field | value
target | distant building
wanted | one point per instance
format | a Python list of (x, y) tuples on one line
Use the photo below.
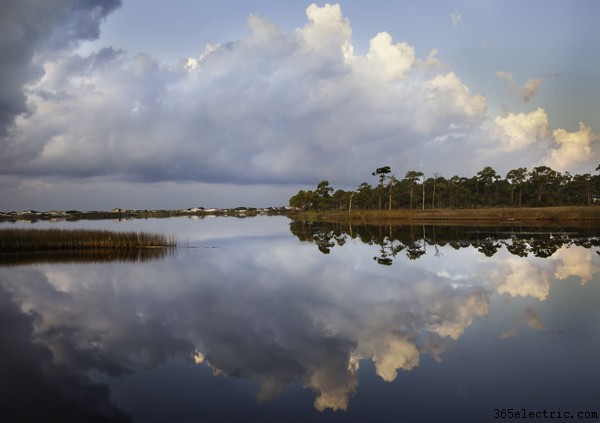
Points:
[(117, 210)]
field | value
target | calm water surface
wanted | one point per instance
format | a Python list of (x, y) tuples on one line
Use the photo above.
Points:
[(261, 320)]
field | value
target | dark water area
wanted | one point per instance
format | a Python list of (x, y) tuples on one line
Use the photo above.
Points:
[(265, 319)]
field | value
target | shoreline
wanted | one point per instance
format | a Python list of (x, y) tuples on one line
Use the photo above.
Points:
[(528, 215), (74, 215), (503, 215)]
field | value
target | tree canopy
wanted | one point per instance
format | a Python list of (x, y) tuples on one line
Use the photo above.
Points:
[(539, 187)]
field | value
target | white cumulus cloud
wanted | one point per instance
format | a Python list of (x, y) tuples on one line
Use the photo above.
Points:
[(393, 60), (270, 108), (519, 279), (520, 130), (571, 148), (575, 261)]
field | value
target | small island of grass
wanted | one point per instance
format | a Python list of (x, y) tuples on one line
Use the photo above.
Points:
[(16, 239)]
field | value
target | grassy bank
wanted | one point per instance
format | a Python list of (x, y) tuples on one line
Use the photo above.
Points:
[(531, 215), (13, 240)]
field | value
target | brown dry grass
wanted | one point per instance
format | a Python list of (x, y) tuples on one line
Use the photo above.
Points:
[(16, 239), (541, 214)]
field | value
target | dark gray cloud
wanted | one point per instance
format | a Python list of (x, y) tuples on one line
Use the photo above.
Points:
[(32, 32)]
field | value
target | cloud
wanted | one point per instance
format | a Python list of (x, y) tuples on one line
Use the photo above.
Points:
[(305, 108), (290, 321), (521, 130), (533, 319), (456, 19), (512, 332), (522, 279), (333, 392), (285, 316), (305, 101), (531, 88), (508, 77), (571, 148), (326, 30), (397, 352), (393, 60), (447, 94), (34, 386), (527, 132), (464, 311), (32, 32), (575, 261), (431, 63)]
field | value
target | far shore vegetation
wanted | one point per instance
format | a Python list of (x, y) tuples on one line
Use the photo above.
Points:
[(541, 194), (125, 214)]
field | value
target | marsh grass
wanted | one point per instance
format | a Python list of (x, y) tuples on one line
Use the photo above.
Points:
[(506, 214), (32, 240)]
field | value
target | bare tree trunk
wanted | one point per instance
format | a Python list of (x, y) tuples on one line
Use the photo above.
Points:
[(435, 176), (589, 195)]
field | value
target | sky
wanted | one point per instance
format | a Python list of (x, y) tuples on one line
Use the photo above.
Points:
[(151, 104)]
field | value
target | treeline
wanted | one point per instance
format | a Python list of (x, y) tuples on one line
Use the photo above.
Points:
[(540, 187)]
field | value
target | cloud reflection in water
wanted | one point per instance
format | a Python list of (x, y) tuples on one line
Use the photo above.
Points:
[(278, 312)]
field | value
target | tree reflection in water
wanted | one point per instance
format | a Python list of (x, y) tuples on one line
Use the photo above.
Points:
[(392, 323), (413, 240)]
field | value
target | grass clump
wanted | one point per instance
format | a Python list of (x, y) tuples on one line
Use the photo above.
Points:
[(16, 239)]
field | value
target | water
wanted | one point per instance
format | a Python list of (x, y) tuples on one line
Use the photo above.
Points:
[(256, 319)]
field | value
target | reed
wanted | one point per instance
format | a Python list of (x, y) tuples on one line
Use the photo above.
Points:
[(16, 239)]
